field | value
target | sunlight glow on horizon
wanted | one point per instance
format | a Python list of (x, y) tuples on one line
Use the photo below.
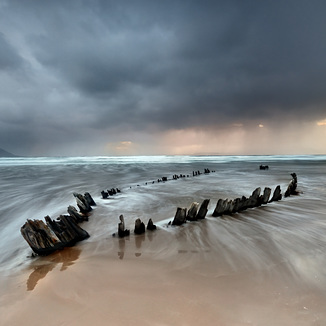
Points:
[(234, 139), (321, 123)]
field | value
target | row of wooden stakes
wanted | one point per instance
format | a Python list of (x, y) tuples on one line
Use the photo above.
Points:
[(228, 207), (45, 238), (223, 207)]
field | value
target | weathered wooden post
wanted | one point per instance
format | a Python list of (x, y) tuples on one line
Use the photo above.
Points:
[(180, 216), (265, 196), (192, 212), (277, 195), (82, 203), (72, 211), (291, 190), (122, 232), (254, 198), (104, 194), (221, 207), (139, 227), (150, 225), (89, 199), (203, 210)]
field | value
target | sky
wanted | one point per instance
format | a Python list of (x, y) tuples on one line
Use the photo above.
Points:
[(138, 77)]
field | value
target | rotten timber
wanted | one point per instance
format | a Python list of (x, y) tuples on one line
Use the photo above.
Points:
[(47, 237), (182, 215), (228, 207)]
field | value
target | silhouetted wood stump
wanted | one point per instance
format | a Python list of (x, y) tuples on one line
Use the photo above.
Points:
[(72, 211), (82, 203), (291, 189), (67, 230), (40, 237), (89, 199), (253, 200), (203, 210), (180, 216), (220, 207), (139, 227), (45, 239), (150, 225), (277, 195), (122, 232), (192, 212), (265, 196), (104, 194)]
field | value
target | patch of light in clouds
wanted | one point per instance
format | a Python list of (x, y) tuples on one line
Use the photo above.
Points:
[(321, 123)]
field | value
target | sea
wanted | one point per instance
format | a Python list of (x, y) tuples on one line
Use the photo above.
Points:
[(274, 254)]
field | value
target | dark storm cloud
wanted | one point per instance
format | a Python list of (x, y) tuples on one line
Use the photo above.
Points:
[(9, 59), (167, 63)]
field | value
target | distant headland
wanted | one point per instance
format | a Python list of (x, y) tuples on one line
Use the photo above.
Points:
[(4, 153)]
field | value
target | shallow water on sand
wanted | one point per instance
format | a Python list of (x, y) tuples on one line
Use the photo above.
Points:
[(264, 266)]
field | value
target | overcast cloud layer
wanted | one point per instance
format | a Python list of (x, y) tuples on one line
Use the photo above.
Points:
[(138, 77)]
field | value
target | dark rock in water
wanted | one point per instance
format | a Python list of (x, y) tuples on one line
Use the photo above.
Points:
[(104, 194), (150, 225), (277, 195), (139, 227), (203, 210), (192, 212), (263, 167), (122, 232), (89, 199), (291, 190), (180, 216)]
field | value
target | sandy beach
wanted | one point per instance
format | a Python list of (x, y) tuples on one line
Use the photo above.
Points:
[(164, 278), (263, 266)]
